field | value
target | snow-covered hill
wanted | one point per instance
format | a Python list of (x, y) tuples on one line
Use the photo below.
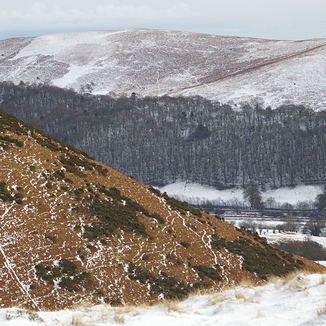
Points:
[(160, 62)]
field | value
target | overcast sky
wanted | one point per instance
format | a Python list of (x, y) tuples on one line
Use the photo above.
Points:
[(271, 19)]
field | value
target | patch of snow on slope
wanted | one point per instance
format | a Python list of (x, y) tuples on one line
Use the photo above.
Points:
[(192, 191), (293, 195), (62, 43), (294, 302)]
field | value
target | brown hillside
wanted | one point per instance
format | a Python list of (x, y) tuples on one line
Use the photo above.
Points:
[(73, 230)]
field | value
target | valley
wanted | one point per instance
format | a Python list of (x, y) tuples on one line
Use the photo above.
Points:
[(107, 139)]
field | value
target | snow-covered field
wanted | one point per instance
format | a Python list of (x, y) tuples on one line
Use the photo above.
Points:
[(196, 193), (299, 300), (289, 237)]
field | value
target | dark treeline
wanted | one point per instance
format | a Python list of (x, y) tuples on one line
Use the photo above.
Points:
[(159, 140)]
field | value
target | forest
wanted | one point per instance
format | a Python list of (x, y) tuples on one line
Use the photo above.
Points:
[(160, 140)]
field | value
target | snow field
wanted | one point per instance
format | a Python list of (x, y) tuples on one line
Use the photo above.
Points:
[(195, 193), (296, 300)]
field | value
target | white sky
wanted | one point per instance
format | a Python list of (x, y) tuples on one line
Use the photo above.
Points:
[(272, 19)]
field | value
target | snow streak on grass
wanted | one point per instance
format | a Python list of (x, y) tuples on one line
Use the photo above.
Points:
[(294, 300)]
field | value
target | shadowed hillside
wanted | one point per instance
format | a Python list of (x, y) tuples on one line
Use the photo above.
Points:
[(161, 140)]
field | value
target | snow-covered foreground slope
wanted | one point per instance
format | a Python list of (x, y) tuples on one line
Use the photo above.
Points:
[(161, 62), (196, 194), (294, 301)]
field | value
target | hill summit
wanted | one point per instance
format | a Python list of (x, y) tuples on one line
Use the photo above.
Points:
[(74, 230), (160, 62)]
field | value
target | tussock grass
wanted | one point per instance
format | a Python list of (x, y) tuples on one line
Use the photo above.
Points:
[(77, 321), (292, 280), (118, 313), (288, 277), (119, 318), (321, 311), (247, 282), (83, 306), (233, 295), (295, 280), (297, 283), (173, 306), (322, 280), (240, 296), (218, 298), (105, 313)]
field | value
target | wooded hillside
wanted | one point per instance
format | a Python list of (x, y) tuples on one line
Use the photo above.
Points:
[(159, 140)]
